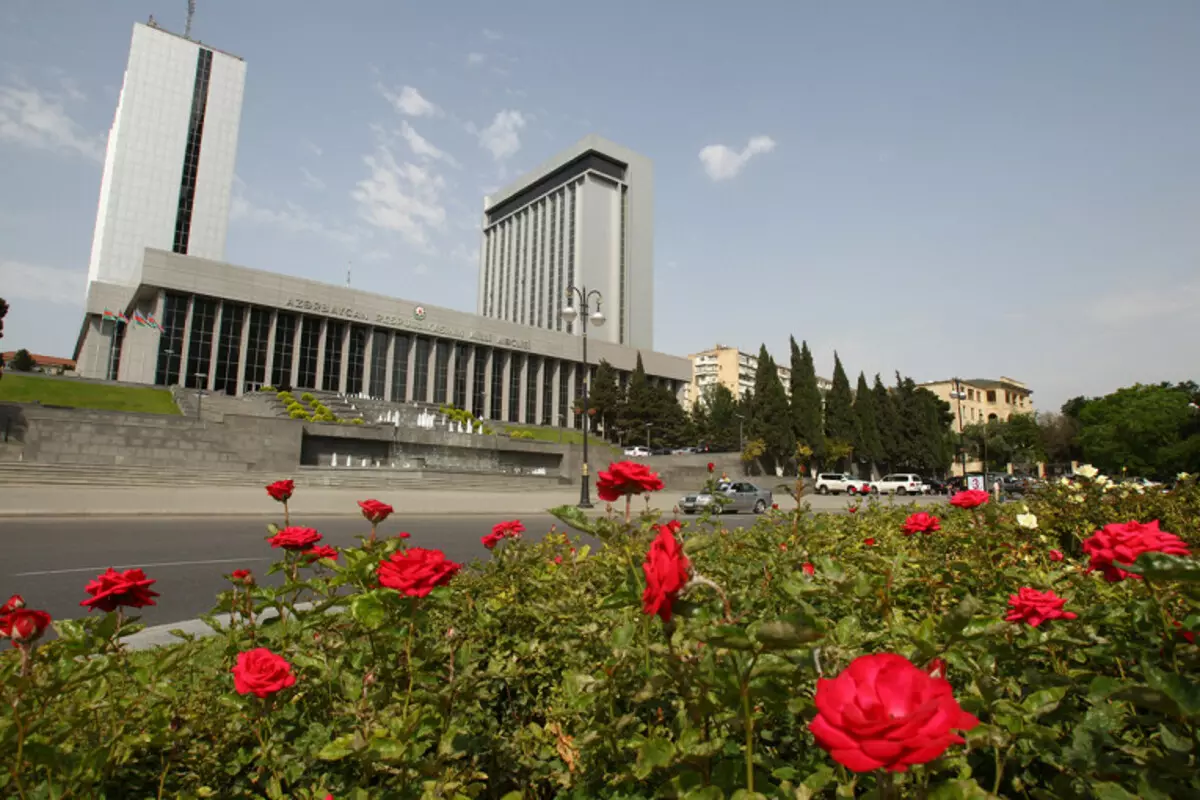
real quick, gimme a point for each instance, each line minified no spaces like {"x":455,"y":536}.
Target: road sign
{"x":976,"y":483}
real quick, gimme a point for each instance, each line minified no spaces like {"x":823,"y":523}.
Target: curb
{"x":162,"y":636}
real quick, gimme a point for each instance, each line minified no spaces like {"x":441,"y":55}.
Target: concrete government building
{"x":158,"y":254}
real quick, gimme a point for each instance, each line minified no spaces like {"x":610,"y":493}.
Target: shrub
{"x":520,"y":434}
{"x":555,"y":671}
{"x":358,"y":421}
{"x":297,"y":412}
{"x":286,"y":398}
{"x":266,"y":388}
{"x":308,"y":397}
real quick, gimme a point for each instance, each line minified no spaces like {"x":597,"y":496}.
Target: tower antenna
{"x":187,"y":28}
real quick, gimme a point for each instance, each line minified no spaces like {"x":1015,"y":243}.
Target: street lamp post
{"x":741,"y":433}
{"x":957,"y":394}
{"x":649,"y":425}
{"x":199,"y":391}
{"x":584,"y":313}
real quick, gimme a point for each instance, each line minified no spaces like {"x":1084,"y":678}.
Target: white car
{"x":838,"y":482}
{"x":637,"y":452}
{"x":898,"y":483}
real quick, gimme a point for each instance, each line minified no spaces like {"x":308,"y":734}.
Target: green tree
{"x":1150,"y":431}
{"x":923,"y":441}
{"x":771,"y":414}
{"x":886,"y":421}
{"x":605,"y":396}
{"x":841,"y":426}
{"x":868,"y":447}
{"x":807,"y":414}
{"x":721,"y":409}
{"x":3,"y":314}
{"x":637,"y":409}
{"x":22,"y":361}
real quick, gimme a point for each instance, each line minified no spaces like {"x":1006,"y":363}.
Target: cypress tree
{"x":772,"y":413}
{"x":604,"y":395}
{"x":807,"y":422}
{"x":885,"y":416}
{"x":841,"y":427}
{"x":868,"y":448}
{"x":638,"y":407}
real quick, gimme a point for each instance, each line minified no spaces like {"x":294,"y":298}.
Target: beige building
{"x":734,"y":369}
{"x":976,"y":400}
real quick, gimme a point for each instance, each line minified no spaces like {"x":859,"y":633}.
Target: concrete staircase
{"x":214,"y":406}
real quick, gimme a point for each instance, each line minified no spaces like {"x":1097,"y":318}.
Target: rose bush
{"x":797,"y":663}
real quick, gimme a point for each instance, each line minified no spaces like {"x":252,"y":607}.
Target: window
{"x":459,"y":397}
{"x":114,"y":360}
{"x":229,"y":347}
{"x":571,"y":246}
{"x":560,"y":289}
{"x":310,"y":340}
{"x":479,"y":383}
{"x":535,"y":312}
{"x":991,"y":395}
{"x":499,"y":359}
{"x":516,"y":360}
{"x":356,"y":360}
{"x":331,"y":380}
{"x":531,"y":384}
{"x":441,"y":370}
{"x":578,"y":422}
{"x":487,"y":272}
{"x":285,"y":345}
{"x":517,"y":276}
{"x":970,"y":394}
{"x":170,"y":341}
{"x":421,"y":370}
{"x":563,"y":397}
{"x":400,"y":368}
{"x":204,"y":315}
{"x":621,"y":266}
{"x":379,"y":360}
{"x":548,"y":391}
{"x":256,"y":349}
{"x":191,"y":152}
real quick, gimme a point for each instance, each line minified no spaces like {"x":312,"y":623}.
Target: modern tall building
{"x":168,"y":171}
{"x":734,"y":369}
{"x":584,"y":218}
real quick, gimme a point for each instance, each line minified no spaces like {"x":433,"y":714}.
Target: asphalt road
{"x":49,"y":560}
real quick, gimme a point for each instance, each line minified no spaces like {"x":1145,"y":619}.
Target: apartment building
{"x":975,"y":400}
{"x":735,"y":369}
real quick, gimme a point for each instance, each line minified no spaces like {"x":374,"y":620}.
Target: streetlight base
{"x":584,"y":504}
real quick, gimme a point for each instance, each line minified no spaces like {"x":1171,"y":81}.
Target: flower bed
{"x":959,"y":654}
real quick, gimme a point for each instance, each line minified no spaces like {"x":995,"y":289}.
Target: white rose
{"x":1027,"y":521}
{"x":1103,"y":480}
{"x":1077,"y":498}
{"x":1087,"y":471}
{"x":1063,"y":481}
{"x":1183,"y":476}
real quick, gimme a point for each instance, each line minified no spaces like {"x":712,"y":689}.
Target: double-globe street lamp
{"x":584,"y":313}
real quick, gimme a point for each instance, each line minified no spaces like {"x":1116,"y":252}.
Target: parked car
{"x":660,"y":451}
{"x":735,"y":496}
{"x":898,"y":483}
{"x":637,"y":451}
{"x":935,"y":485}
{"x":838,"y":482}
{"x":1019,"y":484}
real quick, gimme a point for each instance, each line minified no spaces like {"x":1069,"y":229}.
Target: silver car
{"x":736,"y":496}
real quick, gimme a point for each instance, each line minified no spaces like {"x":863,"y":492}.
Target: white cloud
{"x":37,"y":119}
{"x":311,"y":180}
{"x":34,"y":282}
{"x":291,"y":218}
{"x":401,"y":197}
{"x":423,"y":147}
{"x":502,"y":138}
{"x":410,"y":102}
{"x":313,"y":148}
{"x":475,"y":58}
{"x":495,"y":36}
{"x":722,"y":163}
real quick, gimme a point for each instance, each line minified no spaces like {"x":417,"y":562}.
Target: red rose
{"x":260,"y":672}
{"x":295,"y":538}
{"x":1056,"y":555}
{"x":242,"y":576}
{"x":509,"y":530}
{"x":883,"y":712}
{"x":710,"y":466}
{"x":936,"y":668}
{"x":416,"y":571}
{"x":1187,"y":635}
{"x":558,"y":559}
{"x":626,"y":478}
{"x":866,"y":488}
{"x":970,"y":498}
{"x":374,"y":511}
{"x":774,"y":506}
{"x":808,"y":568}
{"x":403,"y":535}
{"x":492,"y":539}
{"x":281,"y":490}
{"x":853,"y":509}
{"x":921,"y":522}
{"x":1123,"y":543}
{"x":1034,"y":607}
{"x":320,"y":551}
{"x":24,"y":624}
{"x":675,"y":525}
{"x":13,"y":603}
{"x":112,"y":589}
{"x":870,"y":542}
{"x":783,"y":547}
{"x":666,"y":569}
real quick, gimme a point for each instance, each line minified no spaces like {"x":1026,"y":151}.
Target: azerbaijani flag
{"x":152,"y":322}
{"x":138,"y":319}
{"x":121,"y":316}
{"x":109,"y":315}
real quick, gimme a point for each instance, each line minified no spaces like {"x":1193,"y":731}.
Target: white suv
{"x":637,"y":452}
{"x":898,"y":483}
{"x":838,"y":482}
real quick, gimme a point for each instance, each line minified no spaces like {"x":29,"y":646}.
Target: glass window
{"x":400,"y":368}
{"x":204,"y":315}
{"x":310,"y":340}
{"x":256,"y":349}
{"x":356,"y":359}
{"x":459,"y":397}
{"x":531,"y":384}
{"x":621,"y":266}
{"x":379,"y":356}
{"x":441,"y":370}
{"x":170,"y":341}
{"x":331,"y":380}
{"x":420,"y":376}
{"x":548,"y":391}
{"x":571,"y":246}
{"x":578,"y":422}
{"x":564,"y":371}
{"x":514,"y":387}
{"x":229,"y":348}
{"x":559,"y":257}
{"x":479,"y":383}
{"x":114,"y":360}
{"x":285,"y":345}
{"x":991,"y":395}
{"x":498,"y":361}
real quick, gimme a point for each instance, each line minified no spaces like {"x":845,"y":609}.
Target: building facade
{"x":168,"y":167}
{"x":224,"y":328}
{"x":979,"y":400}
{"x":735,"y":370}
{"x":585,"y":218}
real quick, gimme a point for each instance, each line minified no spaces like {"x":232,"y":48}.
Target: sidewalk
{"x":61,"y":501}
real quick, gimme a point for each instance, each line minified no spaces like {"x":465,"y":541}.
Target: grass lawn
{"x":564,"y":435}
{"x":19,"y":388}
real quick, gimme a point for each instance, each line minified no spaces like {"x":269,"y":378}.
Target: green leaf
{"x":513,"y":796}
{"x":959,"y":790}
{"x":1145,"y":697}
{"x":338,"y":749}
{"x":652,"y":754}
{"x":1111,"y":791}
{"x":368,"y":610}
{"x":730,"y":637}
{"x":953,"y":623}
{"x":1173,"y":741}
{"x":1044,"y":701}
{"x":785,"y":635}
{"x":575,"y":518}
{"x":1183,"y":692}
{"x":701,"y":541}
{"x":1163,"y":567}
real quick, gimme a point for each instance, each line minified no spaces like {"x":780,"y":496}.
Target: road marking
{"x":139,"y":566}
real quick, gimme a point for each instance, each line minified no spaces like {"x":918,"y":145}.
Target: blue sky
{"x":936,"y":187}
